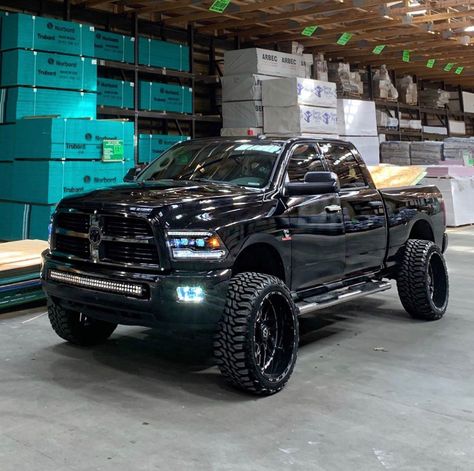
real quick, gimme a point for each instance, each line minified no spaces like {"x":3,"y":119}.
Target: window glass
{"x":305,"y":158}
{"x":245,"y":163}
{"x":342,"y":162}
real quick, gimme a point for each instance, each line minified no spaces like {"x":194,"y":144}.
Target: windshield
{"x":244,"y":163}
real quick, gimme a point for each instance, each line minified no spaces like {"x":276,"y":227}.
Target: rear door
{"x":363,"y":210}
{"x":316,"y":225}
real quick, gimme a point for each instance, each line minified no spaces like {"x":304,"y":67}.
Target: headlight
{"x":192,"y":245}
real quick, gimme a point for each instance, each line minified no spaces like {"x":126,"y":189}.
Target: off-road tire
{"x":236,"y":346}
{"x":77,"y":328}
{"x":422,"y":282}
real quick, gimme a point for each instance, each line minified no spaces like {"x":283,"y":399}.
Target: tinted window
{"x":342,"y":162}
{"x":305,"y":158}
{"x":243,"y":162}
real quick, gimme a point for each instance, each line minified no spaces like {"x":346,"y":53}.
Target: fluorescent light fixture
{"x":469,"y":29}
{"x":190,"y":294}
{"x":417,"y":12}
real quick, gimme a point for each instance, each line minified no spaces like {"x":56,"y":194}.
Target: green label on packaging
{"x":430,"y":63}
{"x":344,"y":39}
{"x":378,"y":49}
{"x":448,"y":66}
{"x":459,"y":70}
{"x":406,"y":55}
{"x":219,"y":6}
{"x":113,"y":150}
{"x":309,"y":30}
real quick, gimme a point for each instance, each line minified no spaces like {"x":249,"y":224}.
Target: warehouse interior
{"x":94,"y":92}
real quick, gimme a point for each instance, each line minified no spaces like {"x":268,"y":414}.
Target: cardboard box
{"x":46,"y":69}
{"x":116,"y":93}
{"x":24,"y":220}
{"x":356,"y":117}
{"x":114,"y":47}
{"x":263,"y":61}
{"x":300,"y":119}
{"x":156,"y":96}
{"x":155,"y":53}
{"x":63,"y":138}
{"x":48,"y":181}
{"x":299,"y":91}
{"x":20,"y":31}
{"x":240,"y":114}
{"x":243,"y":87}
{"x":150,"y":146}
{"x":22,"y":102}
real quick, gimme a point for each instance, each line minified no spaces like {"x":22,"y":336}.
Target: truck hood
{"x":176,"y":203}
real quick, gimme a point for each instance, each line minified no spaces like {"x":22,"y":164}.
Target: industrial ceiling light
{"x":417,"y":12}
{"x":469,"y":29}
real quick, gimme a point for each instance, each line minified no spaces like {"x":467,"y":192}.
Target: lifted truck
{"x":242,"y":236}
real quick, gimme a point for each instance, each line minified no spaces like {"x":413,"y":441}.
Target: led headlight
{"x":192,"y":245}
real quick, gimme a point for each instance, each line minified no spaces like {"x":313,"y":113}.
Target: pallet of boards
{"x":115,"y":93}
{"x":458,"y":149}
{"x":156,"y":53}
{"x":63,"y":138}
{"x":114,"y":47}
{"x":24,"y":220}
{"x":21,"y":31}
{"x":426,"y":152}
{"x":20,"y":264}
{"x":156,"y":96}
{"x":395,"y":153}
{"x":46,"y":69}
{"x":243,"y":87}
{"x":241,"y":114}
{"x":151,"y":146}
{"x":23,"y":102}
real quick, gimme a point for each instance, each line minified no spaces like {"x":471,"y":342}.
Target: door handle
{"x":332,"y":208}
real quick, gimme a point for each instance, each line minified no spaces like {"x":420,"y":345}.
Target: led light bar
{"x":121,"y":287}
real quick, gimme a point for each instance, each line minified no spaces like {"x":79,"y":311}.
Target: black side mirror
{"x":131,"y":175}
{"x":315,"y":183}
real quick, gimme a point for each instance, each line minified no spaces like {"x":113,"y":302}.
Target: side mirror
{"x":315,"y":183}
{"x":131,"y":175}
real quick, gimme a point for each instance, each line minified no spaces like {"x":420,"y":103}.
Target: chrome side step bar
{"x":339,"y":296}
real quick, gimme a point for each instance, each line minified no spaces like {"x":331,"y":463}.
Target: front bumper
{"x":159,"y":306}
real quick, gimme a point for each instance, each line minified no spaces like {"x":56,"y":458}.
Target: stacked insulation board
{"x":20,"y":264}
{"x":156,"y":96}
{"x":115,"y":93}
{"x":114,"y":47}
{"x":155,"y":53}
{"x":151,"y":146}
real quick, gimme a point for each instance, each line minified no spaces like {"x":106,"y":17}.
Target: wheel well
{"x":260,"y":258}
{"x":422,"y":230}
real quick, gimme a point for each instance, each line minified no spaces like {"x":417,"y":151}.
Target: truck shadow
{"x":160,"y":364}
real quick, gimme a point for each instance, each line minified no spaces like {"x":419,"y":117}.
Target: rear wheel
{"x":423,"y":283}
{"x":257,"y":340}
{"x":77,"y":328}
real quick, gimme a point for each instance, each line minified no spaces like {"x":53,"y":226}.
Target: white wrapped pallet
{"x":468,"y":102}
{"x":266,"y":62}
{"x":242,"y":114}
{"x":300,"y":119}
{"x":229,"y":132}
{"x":458,"y":149}
{"x":458,"y":194}
{"x":457,"y":127}
{"x":356,"y":117}
{"x":246,"y":87}
{"x":442,"y":131}
{"x":368,"y":147}
{"x":299,"y":91}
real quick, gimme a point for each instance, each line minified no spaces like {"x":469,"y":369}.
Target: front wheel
{"x":77,"y":328}
{"x":257,"y":340}
{"x":422,"y":282}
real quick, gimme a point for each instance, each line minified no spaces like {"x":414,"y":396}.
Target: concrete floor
{"x":372,"y":390}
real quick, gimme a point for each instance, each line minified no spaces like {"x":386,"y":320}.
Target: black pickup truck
{"x":242,"y":236}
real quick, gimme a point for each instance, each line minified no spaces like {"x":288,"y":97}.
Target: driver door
{"x":316,"y":225}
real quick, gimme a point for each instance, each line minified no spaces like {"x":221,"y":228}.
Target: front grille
{"x":127,"y":228}
{"x":124,"y":252}
{"x":76,"y":222}
{"x":122,"y":240}
{"x":69,"y":245}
